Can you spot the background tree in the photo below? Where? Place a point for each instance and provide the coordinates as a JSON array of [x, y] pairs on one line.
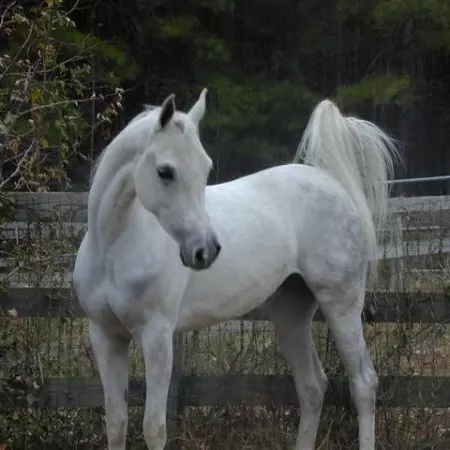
[[53, 105], [266, 65]]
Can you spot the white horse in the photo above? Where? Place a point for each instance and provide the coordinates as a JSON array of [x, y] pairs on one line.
[[149, 264]]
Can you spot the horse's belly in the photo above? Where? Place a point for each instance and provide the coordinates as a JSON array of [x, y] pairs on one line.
[[217, 296]]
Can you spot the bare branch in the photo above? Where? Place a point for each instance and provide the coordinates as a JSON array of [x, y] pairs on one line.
[[71, 10], [16, 56], [17, 169], [62, 102], [7, 8]]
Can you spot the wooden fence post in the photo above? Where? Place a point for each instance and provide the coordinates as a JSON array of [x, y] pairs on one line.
[[397, 264]]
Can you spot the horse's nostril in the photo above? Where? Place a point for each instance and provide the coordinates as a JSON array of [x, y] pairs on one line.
[[200, 256], [218, 248]]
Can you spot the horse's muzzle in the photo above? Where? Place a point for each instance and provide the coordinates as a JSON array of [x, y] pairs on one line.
[[201, 257]]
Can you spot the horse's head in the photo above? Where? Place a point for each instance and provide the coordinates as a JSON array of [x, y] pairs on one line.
[[170, 181]]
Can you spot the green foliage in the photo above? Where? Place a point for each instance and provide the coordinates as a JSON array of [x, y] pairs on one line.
[[388, 14], [213, 48], [435, 39], [217, 6], [177, 26], [48, 106], [267, 64], [236, 104], [207, 45], [378, 90], [124, 67], [256, 103]]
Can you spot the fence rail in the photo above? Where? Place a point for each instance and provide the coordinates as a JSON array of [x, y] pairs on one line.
[[43, 203], [380, 307], [410, 214], [235, 390]]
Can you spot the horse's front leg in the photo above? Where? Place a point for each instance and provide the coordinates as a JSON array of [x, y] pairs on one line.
[[111, 353], [156, 342]]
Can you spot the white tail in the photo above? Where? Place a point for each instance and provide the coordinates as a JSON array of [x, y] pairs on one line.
[[360, 156]]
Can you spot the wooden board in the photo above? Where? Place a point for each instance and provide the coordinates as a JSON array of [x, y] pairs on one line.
[[379, 306], [73, 204], [233, 390]]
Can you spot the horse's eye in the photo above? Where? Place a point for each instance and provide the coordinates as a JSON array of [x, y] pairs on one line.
[[166, 172]]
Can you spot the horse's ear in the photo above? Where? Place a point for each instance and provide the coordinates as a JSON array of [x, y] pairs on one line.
[[198, 110], [167, 110]]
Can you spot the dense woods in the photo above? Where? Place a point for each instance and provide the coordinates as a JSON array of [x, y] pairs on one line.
[[265, 63]]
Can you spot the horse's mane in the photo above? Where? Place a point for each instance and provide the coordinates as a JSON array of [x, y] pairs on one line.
[[97, 162]]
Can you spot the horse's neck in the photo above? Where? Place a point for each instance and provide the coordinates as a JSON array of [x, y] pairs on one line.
[[111, 195]]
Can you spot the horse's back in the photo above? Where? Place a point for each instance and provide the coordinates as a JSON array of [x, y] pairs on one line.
[[279, 182], [285, 196]]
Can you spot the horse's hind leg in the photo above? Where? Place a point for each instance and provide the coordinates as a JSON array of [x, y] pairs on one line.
[[342, 309], [292, 316]]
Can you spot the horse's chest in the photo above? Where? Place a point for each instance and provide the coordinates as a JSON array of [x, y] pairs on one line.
[[114, 296], [131, 313], [142, 295]]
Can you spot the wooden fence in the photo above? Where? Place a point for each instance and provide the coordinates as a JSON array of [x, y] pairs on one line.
[[393, 307], [248, 389]]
